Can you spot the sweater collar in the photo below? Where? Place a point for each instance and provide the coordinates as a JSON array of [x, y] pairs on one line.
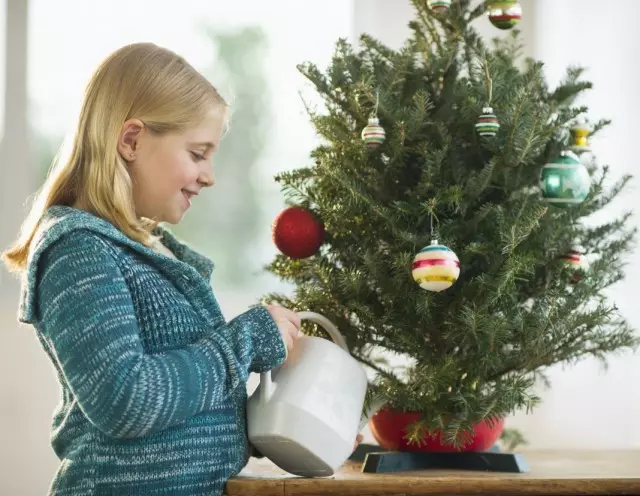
[[61, 219], [69, 218]]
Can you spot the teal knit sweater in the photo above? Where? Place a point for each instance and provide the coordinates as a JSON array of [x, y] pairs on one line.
[[153, 379]]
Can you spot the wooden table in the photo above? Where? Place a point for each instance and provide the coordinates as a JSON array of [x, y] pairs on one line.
[[551, 473]]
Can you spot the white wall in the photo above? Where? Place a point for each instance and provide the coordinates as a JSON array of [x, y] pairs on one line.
[[585, 408], [588, 408]]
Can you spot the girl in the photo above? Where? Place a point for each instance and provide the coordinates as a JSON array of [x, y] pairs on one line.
[[152, 377]]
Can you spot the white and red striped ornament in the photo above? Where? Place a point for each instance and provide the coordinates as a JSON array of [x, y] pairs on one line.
[[504, 14], [436, 267], [577, 262], [439, 6], [373, 134]]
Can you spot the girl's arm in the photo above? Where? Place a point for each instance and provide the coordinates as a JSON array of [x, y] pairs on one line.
[[89, 321]]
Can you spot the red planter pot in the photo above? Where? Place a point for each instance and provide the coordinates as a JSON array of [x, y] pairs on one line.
[[389, 429]]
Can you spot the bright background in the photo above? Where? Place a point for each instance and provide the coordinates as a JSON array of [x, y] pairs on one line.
[[249, 49]]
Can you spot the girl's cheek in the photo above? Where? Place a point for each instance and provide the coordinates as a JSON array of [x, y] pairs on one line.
[[190, 173], [184, 169]]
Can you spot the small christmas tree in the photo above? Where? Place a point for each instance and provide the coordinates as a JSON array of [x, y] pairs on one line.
[[449, 197]]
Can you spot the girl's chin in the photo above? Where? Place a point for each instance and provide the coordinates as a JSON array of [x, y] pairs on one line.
[[173, 217]]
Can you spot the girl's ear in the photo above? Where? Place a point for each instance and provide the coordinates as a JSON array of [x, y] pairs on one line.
[[129, 139]]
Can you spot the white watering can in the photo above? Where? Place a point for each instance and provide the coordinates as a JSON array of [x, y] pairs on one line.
[[305, 415]]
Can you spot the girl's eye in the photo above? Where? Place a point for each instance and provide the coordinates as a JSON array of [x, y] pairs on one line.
[[197, 156]]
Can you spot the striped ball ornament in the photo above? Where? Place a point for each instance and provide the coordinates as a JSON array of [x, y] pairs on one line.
[[436, 267], [574, 260], [504, 14], [487, 124], [373, 134], [439, 6]]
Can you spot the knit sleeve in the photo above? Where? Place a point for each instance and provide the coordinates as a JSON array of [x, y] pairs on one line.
[[87, 317]]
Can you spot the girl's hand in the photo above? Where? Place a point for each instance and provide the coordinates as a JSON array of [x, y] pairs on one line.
[[288, 323], [359, 439]]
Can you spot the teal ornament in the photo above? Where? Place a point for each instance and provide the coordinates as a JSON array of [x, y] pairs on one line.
[[565, 181]]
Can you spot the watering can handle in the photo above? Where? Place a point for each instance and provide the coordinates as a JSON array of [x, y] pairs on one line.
[[266, 383], [328, 326], [377, 404]]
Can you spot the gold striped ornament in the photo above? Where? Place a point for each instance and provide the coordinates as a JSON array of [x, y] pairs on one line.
[[436, 267], [580, 137]]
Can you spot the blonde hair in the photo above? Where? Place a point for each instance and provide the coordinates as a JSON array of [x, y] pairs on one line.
[[142, 81]]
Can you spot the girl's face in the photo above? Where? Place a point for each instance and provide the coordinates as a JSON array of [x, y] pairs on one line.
[[167, 171]]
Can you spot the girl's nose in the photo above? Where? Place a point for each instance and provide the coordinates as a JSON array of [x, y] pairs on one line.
[[207, 176]]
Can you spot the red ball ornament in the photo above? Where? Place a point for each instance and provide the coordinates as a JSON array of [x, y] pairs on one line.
[[297, 232]]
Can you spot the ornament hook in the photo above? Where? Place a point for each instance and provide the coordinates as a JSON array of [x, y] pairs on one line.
[[488, 81], [375, 110]]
